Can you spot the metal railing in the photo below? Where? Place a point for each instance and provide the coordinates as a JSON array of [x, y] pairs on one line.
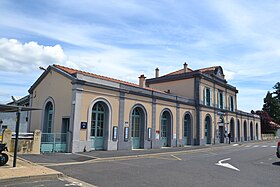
[[53, 142]]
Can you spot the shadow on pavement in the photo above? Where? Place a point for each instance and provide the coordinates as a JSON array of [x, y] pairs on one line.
[[276, 163]]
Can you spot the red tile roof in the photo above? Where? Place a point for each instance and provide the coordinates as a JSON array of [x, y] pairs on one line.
[[74, 71], [203, 70], [180, 71]]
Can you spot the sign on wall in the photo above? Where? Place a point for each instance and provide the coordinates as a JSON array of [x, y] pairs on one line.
[[115, 132], [149, 133], [83, 125], [126, 133], [157, 135]]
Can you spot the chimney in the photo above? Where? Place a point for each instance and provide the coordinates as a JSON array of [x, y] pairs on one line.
[[185, 67], [142, 81], [157, 72]]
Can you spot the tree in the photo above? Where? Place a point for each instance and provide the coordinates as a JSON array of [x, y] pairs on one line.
[[277, 91], [272, 107], [265, 121]]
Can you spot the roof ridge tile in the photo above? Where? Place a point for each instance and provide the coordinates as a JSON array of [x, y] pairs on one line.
[[63, 68]]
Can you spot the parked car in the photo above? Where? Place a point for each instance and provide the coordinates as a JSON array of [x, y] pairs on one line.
[[278, 150]]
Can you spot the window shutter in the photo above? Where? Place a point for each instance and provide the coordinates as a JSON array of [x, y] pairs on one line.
[[218, 99], [232, 102], [229, 103], [223, 97], [210, 96], [204, 96]]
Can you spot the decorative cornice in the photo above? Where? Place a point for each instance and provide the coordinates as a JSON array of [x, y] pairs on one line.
[[175, 77]]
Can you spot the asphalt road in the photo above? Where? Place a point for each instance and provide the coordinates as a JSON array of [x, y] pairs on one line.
[[240, 165]]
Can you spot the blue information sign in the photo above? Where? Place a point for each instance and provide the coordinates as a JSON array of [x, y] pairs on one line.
[[83, 125]]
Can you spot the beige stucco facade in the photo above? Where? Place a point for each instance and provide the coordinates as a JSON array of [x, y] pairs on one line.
[[55, 88], [110, 114]]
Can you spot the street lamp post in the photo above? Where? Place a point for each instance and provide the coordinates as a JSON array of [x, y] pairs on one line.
[[16, 140]]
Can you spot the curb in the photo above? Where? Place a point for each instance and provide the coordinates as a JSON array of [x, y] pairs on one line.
[[43, 175], [31, 178]]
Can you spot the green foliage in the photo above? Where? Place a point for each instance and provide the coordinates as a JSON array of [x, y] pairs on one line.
[[272, 103], [277, 91]]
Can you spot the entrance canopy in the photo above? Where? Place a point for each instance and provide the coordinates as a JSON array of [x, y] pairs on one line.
[[15, 108]]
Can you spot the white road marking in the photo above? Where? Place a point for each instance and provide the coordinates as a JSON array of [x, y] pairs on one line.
[[256, 146], [264, 146], [235, 144], [85, 155], [273, 146], [176, 157], [227, 165], [74, 184]]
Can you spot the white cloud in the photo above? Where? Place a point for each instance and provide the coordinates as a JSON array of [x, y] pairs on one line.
[[26, 57], [229, 75], [129, 38]]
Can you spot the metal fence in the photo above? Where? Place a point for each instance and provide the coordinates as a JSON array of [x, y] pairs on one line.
[[53, 142]]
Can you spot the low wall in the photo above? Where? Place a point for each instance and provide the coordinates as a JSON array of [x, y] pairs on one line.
[[268, 137], [26, 144]]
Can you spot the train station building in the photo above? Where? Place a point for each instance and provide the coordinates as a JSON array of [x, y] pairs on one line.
[[184, 107]]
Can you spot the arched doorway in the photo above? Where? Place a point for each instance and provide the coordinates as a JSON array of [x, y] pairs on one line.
[[165, 129], [232, 133], [257, 131], [99, 125], [187, 129], [238, 130], [48, 118], [137, 128], [251, 131], [207, 130], [221, 134], [245, 130]]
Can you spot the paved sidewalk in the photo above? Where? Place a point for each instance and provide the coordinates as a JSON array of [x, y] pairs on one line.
[[25, 170]]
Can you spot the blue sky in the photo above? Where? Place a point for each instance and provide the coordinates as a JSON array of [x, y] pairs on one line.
[[125, 38]]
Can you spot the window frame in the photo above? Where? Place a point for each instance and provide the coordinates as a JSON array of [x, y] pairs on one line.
[[207, 100], [231, 103], [221, 101]]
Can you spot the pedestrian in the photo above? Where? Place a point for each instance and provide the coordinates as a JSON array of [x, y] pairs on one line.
[[229, 137]]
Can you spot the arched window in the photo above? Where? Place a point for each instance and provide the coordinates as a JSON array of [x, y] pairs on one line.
[[257, 131], [48, 118], [138, 124], [238, 130], [136, 128], [251, 131], [136, 121], [187, 129], [232, 133], [245, 131], [99, 121], [207, 130], [165, 129]]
